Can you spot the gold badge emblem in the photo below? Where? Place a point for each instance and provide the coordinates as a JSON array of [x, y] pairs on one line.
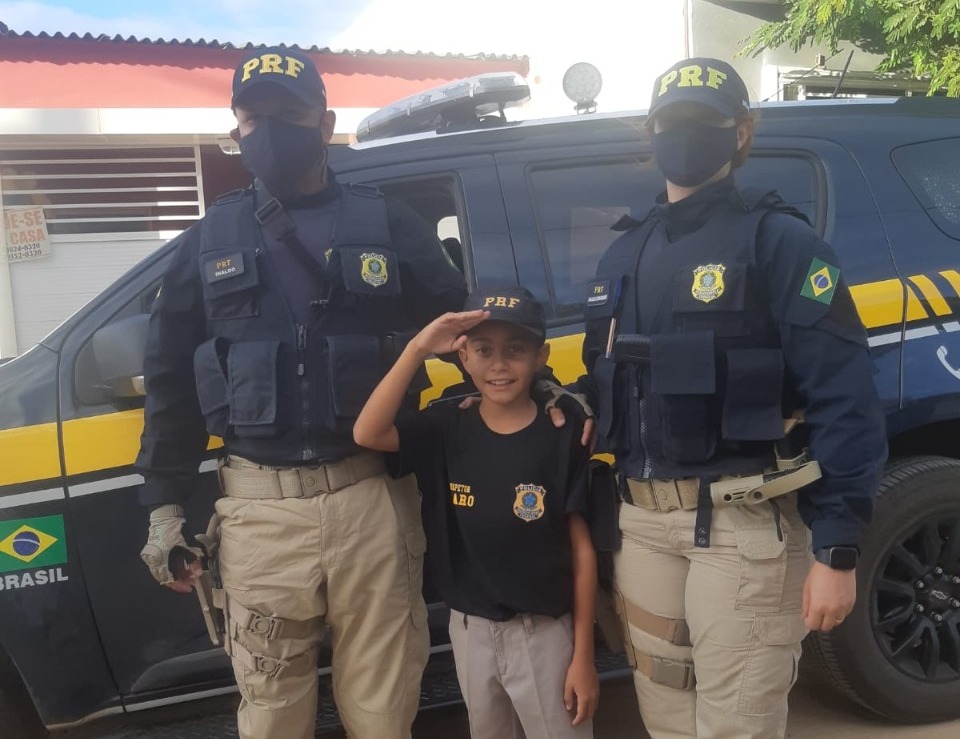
[[374, 269], [708, 282], [528, 505]]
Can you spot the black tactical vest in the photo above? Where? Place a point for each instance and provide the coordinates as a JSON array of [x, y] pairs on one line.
[[711, 398], [275, 390]]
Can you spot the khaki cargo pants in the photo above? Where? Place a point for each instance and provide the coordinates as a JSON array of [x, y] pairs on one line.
[[741, 600], [349, 561]]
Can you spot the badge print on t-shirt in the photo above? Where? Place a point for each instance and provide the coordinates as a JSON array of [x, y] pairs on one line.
[[528, 505]]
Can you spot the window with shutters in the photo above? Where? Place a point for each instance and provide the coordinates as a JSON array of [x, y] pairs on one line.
[[99, 191]]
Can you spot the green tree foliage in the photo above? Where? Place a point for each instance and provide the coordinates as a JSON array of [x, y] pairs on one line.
[[921, 37]]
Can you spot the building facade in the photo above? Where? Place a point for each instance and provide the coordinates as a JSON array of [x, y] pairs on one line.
[[110, 147]]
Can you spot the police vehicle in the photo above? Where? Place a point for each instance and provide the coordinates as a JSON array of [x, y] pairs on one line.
[[84, 630]]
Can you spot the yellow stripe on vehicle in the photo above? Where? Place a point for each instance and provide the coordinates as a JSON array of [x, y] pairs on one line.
[[932, 294], [953, 277], [29, 453], [102, 442], [879, 303]]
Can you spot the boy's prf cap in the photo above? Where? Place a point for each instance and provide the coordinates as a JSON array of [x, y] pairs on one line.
[[511, 304], [710, 82], [288, 68]]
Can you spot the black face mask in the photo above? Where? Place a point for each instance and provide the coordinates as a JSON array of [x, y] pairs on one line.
[[689, 153], [280, 153]]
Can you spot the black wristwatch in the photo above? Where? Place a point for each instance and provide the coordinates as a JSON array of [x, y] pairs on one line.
[[839, 558]]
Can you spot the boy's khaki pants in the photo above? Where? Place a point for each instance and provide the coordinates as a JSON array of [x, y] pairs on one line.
[[349, 561], [741, 599], [512, 674]]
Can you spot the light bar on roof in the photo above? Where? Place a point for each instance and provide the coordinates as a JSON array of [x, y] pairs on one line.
[[461, 102]]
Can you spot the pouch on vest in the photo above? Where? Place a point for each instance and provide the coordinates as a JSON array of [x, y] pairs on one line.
[[252, 378], [683, 379], [370, 272], [601, 305], [230, 279], [753, 397], [210, 371], [353, 371], [603, 514], [712, 301]]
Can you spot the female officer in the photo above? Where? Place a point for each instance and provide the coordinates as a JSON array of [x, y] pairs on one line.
[[712, 320]]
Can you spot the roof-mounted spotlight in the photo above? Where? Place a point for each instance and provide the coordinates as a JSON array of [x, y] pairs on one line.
[[582, 83]]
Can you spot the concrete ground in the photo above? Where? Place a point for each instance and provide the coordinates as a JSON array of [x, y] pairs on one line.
[[813, 715]]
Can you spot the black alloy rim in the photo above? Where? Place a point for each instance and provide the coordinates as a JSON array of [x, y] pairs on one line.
[[915, 601]]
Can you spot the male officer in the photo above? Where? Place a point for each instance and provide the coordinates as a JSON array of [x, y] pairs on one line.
[[732, 315], [277, 316]]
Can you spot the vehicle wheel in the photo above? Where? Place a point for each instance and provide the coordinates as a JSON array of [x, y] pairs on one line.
[[898, 652], [18, 719]]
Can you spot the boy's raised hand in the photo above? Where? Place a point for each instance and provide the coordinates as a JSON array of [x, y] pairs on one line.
[[581, 690], [446, 333]]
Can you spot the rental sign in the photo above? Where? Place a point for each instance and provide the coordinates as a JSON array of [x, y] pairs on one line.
[[26, 231]]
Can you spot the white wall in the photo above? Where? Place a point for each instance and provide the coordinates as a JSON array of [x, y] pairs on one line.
[[46, 291]]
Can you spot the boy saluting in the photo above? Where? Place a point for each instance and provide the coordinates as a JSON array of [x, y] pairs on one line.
[[504, 498]]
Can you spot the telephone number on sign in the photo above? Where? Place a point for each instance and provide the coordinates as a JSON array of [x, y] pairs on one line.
[[24, 251]]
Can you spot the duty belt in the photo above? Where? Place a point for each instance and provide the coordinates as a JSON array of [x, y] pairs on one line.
[[241, 478], [682, 494]]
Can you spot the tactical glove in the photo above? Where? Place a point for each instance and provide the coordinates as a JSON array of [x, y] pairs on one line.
[[556, 396], [165, 535]]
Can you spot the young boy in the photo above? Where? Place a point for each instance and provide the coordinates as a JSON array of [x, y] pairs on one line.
[[504, 497]]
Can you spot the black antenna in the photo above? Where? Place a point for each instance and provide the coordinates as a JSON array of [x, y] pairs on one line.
[[843, 74], [805, 74]]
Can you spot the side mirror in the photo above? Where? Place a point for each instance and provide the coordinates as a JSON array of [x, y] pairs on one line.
[[118, 350]]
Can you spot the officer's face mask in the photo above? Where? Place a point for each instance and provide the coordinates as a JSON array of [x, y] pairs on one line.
[[689, 152], [280, 153]]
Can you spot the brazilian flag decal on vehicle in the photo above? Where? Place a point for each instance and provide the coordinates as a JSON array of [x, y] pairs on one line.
[[32, 542], [821, 282]]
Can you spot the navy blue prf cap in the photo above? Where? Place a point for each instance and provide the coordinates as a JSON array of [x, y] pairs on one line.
[[288, 68], [709, 82], [510, 304]]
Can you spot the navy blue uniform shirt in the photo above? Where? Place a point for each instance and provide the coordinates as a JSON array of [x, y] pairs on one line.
[[175, 434], [827, 364]]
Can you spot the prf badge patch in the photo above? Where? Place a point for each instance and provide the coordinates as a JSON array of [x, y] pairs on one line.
[[708, 282], [598, 293], [528, 505], [821, 282], [373, 269], [32, 542], [223, 267]]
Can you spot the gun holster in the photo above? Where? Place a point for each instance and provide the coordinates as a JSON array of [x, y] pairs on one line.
[[209, 580]]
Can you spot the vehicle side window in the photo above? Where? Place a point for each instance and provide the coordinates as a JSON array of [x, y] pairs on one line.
[[435, 199], [932, 172], [576, 204], [794, 177]]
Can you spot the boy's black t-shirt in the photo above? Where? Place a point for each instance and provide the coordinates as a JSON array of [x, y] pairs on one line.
[[495, 508]]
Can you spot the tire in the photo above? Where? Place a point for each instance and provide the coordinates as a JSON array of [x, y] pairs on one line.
[[898, 652], [18, 719]]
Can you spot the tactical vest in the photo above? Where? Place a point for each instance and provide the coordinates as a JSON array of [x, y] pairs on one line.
[[710, 399], [275, 390]]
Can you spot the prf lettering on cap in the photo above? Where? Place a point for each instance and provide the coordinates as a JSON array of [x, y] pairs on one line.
[[272, 64], [499, 302], [691, 76]]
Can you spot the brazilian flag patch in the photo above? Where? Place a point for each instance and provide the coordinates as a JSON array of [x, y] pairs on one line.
[[32, 542], [821, 282]]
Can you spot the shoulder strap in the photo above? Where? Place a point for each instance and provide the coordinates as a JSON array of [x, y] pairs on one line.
[[275, 221]]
